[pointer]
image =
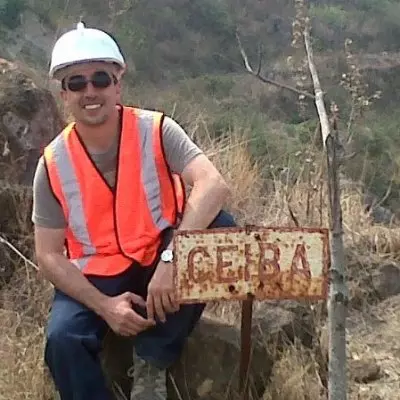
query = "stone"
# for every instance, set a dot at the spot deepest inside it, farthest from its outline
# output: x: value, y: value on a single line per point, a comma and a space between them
x: 205, y: 388
x: 117, y: 361
x: 364, y: 370
x: 209, y: 366
x: 212, y: 359
x: 387, y: 280
x: 370, y: 280
x: 29, y: 119
x: 378, y: 214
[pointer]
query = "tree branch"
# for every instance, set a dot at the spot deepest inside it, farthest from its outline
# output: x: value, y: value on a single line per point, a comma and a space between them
x: 260, y: 59
x: 319, y: 101
x: 16, y: 251
x: 264, y: 79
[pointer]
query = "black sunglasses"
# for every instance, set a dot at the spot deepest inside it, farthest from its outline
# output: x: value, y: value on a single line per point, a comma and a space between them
x: 99, y: 80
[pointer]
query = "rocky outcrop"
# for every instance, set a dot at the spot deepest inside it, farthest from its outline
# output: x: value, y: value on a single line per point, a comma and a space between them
x: 29, y: 119
x: 209, y: 369
x: 371, y: 280
x: 209, y: 366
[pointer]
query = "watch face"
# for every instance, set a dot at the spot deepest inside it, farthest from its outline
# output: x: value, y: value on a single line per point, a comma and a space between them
x: 167, y: 255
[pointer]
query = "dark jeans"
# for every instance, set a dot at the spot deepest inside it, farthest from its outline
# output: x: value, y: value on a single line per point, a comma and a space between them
x: 75, y: 334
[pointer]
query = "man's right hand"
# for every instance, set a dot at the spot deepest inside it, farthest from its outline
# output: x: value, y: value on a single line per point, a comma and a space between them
x: 120, y: 316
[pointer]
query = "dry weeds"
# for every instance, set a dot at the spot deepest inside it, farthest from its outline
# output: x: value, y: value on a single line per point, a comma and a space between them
x: 22, y: 374
x: 24, y: 302
x: 295, y: 376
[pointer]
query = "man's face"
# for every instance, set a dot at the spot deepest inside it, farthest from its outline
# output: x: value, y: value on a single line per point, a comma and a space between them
x: 90, y: 92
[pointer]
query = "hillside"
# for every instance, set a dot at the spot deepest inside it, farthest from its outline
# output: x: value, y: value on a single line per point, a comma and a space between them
x: 173, y: 39
x: 184, y: 58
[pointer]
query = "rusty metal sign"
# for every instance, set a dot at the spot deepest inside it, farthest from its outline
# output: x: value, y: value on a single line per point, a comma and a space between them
x: 259, y: 262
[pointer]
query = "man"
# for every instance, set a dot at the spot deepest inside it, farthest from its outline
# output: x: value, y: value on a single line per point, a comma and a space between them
x: 110, y: 187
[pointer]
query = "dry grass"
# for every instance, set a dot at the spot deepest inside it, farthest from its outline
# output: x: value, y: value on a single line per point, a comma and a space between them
x: 24, y: 304
x: 295, y: 376
x: 22, y: 375
x: 25, y: 300
x: 24, y: 310
x: 242, y: 174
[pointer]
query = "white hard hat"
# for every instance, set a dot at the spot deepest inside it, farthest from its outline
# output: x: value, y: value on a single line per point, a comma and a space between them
x: 84, y: 44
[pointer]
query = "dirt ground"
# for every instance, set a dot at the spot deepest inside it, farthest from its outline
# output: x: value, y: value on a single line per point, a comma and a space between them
x: 374, y: 352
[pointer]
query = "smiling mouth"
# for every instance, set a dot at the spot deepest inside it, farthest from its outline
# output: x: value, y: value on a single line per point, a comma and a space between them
x: 92, y: 106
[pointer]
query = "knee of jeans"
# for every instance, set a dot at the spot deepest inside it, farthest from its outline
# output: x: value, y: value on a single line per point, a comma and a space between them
x: 58, y: 334
x: 223, y: 220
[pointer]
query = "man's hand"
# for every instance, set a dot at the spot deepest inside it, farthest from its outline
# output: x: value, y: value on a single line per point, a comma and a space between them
x: 161, y: 293
x: 122, y: 319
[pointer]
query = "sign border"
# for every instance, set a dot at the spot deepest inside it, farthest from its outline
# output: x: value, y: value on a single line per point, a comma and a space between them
x: 253, y: 229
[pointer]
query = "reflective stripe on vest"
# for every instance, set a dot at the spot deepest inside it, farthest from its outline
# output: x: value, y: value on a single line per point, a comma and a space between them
x: 101, y: 240
x: 74, y: 204
x: 148, y: 127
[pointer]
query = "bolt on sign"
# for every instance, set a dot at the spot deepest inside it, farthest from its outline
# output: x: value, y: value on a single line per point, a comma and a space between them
x: 264, y: 263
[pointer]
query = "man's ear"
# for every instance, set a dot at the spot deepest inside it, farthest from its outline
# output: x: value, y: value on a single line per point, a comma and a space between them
x: 119, y: 72
x: 118, y: 87
x: 63, y: 95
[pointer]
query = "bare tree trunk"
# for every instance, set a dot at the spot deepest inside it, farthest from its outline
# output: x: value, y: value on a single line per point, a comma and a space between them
x: 338, y: 293
x: 338, y: 296
x: 111, y: 16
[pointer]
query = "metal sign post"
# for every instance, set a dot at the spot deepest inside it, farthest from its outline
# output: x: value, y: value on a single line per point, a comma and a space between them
x: 245, y: 347
x: 251, y: 263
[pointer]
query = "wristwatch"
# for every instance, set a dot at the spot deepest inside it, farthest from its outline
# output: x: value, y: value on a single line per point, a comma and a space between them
x: 167, y: 256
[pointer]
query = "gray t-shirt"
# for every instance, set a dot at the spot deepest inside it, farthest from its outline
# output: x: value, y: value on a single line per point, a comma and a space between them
x: 179, y: 151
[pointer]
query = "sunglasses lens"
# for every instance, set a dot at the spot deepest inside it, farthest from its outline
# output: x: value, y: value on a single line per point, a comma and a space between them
x: 77, y: 83
x: 101, y: 79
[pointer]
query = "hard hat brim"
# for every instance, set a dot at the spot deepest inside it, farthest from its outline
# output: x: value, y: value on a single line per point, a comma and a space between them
x: 58, y: 72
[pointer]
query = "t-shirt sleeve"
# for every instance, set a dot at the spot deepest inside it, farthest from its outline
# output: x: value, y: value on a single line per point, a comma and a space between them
x: 179, y: 148
x: 47, y: 211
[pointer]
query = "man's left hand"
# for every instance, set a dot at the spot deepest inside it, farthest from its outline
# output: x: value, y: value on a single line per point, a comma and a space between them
x: 161, y: 293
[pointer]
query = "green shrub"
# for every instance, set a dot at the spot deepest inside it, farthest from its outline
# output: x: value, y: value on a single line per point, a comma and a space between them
x: 335, y: 17
x: 10, y: 11
x: 372, y: 5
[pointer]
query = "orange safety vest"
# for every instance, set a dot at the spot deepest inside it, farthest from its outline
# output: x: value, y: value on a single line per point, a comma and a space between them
x: 109, y: 229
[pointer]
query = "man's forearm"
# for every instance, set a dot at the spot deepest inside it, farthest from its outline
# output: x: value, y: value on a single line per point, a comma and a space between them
x: 66, y: 277
x: 203, y: 204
